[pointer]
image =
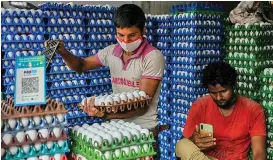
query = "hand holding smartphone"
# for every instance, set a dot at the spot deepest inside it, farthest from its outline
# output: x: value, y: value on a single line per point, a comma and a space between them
x: 206, y: 129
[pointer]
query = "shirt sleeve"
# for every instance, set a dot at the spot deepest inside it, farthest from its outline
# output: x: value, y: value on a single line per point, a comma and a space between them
x: 104, y: 55
x: 193, y: 119
x: 257, y: 122
x: 154, y: 65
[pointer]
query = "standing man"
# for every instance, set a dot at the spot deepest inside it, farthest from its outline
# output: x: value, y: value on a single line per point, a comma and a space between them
x: 238, y: 122
x: 134, y: 65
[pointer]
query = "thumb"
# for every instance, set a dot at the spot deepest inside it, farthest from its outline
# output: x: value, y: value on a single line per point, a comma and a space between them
x: 197, y: 128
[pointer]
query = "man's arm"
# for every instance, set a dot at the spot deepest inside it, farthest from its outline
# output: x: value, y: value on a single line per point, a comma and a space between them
x: 149, y: 86
x: 258, y: 144
x: 79, y: 64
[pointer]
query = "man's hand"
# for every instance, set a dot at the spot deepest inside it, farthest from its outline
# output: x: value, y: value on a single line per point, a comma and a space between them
x: 60, y: 49
x: 90, y: 108
x: 203, y: 141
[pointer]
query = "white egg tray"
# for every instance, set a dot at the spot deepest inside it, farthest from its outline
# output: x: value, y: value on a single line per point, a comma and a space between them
x: 32, y: 137
x: 9, y: 111
x: 122, y: 106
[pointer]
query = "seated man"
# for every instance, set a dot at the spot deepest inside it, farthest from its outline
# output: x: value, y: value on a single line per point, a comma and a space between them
x: 237, y: 121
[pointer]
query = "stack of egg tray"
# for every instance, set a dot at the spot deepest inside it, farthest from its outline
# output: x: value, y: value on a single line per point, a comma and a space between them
x: 22, y: 35
x: 33, y: 131
x: 164, y: 42
x: 84, y: 32
x: 198, y: 6
x: 126, y: 141
x: 151, y: 26
x: 266, y: 97
x: 248, y: 49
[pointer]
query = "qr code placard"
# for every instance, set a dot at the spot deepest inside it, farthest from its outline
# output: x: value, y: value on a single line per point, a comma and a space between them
x: 30, y: 85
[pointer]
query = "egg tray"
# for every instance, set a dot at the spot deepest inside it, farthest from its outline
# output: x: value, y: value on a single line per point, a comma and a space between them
x: 92, y: 154
x: 9, y: 111
x: 115, y: 145
x: 250, y: 28
x: 81, y: 121
x: 33, y: 153
x: 123, y: 106
x: 40, y: 139
x: 20, y: 128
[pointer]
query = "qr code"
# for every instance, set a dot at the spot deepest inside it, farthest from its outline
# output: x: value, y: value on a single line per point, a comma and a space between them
x: 30, y: 85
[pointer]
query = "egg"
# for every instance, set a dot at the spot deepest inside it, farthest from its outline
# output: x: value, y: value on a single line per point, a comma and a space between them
x: 49, y: 144
x: 12, y: 123
x: 61, y: 143
x: 97, y: 141
x: 126, y: 150
x: 121, y: 121
x: 60, y: 117
x: 116, y: 99
x: 112, y: 123
x: 44, y: 133
x: 135, y: 133
x: 135, y: 148
x: 123, y: 97
x: 142, y: 94
x: 13, y: 150
x: 32, y: 158
x: 20, y: 136
x: 107, y: 155
x: 57, y: 132
x: 7, y: 138
x: 44, y: 157
x: 130, y: 96
x: 49, y: 119
x: 57, y: 156
x: 26, y: 148
x: 32, y: 134
x: 108, y: 137
x: 138, y: 127
x: 145, y: 147
x: 102, y: 100
x: 108, y: 100
x: 37, y: 120
x: 117, y: 135
x: 85, y: 126
x: 136, y: 94
x: 117, y: 152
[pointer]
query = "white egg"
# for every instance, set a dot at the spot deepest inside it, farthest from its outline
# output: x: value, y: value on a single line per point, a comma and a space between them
x: 102, y: 100
x: 117, y: 135
x: 12, y: 123
x: 26, y: 148
x: 49, y: 144
x: 44, y: 157
x: 142, y: 94
x: 107, y: 155
x: 7, y: 138
x: 37, y: 146
x: 138, y: 127
x: 127, y: 134
x: 13, y: 150
x: 32, y: 158
x: 60, y: 117
x: 145, y: 132
x: 57, y: 132
x: 112, y: 123
x: 85, y: 126
x: 44, y: 132
x: 57, y: 156
x: 123, y: 97
x: 108, y: 100
x: 117, y: 152
x: 145, y: 147
x: 97, y: 141
x: 116, y: 99
x: 135, y: 148
x: 121, y: 121
x: 32, y: 134
x: 108, y: 137
x: 95, y: 125
x: 135, y: 132
x: 136, y: 94
x: 25, y: 121
x: 37, y: 120
x: 130, y: 96
x: 20, y: 136
x: 61, y: 143
x: 126, y: 150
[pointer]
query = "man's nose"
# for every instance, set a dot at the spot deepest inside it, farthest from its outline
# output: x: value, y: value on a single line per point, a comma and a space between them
x: 219, y: 96
x: 126, y: 39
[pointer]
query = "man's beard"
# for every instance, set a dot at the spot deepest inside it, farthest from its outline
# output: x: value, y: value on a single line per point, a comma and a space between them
x: 229, y: 104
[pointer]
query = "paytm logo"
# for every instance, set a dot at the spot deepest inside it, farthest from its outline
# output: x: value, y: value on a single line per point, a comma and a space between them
x: 30, y: 72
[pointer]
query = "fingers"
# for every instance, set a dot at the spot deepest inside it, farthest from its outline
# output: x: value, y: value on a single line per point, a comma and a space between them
x: 204, y: 146
x: 46, y: 43
x: 205, y: 135
x: 205, y: 140
x: 197, y: 128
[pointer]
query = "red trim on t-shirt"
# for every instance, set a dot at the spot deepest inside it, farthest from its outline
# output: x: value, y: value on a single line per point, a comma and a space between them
x: 152, y: 77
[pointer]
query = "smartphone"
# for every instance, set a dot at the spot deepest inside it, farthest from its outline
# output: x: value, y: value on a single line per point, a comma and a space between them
x: 206, y: 128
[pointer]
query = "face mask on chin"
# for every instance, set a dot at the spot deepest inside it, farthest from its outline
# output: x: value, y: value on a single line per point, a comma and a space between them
x: 130, y: 47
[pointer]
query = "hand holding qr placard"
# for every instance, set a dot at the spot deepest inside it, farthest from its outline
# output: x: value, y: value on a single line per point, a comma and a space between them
x: 51, y: 47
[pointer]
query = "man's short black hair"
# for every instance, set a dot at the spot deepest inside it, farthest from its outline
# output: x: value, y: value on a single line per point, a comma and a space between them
x: 129, y: 15
x: 219, y: 73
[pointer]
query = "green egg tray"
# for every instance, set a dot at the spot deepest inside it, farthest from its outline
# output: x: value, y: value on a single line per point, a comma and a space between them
x: 268, y: 112
x: 91, y: 154
x: 250, y: 27
x: 115, y: 145
x: 267, y: 80
x: 247, y: 49
x: 256, y: 57
x: 267, y: 91
x: 267, y: 75
x: 258, y: 41
x: 266, y: 105
x: 266, y: 96
x: 251, y: 95
x: 248, y: 34
x: 248, y: 79
x: 33, y: 153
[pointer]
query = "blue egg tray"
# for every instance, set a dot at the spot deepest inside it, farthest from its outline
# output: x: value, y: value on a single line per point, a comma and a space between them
x: 22, y: 46
x: 177, y: 108
x: 83, y: 120
x: 20, y: 23
x: 197, y: 6
x: 6, y: 29
x: 100, y: 30
x: 196, y: 16
x: 22, y: 14
x: 68, y: 29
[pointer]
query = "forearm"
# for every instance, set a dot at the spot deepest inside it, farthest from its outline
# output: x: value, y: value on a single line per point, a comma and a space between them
x: 259, y: 156
x: 72, y: 61
x: 128, y: 114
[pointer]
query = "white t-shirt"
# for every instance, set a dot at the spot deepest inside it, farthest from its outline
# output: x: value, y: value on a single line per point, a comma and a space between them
x: 147, y: 62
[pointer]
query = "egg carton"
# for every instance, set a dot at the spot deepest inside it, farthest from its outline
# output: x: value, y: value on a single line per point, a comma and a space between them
x: 9, y: 111
x: 269, y: 120
x: 13, y: 126
x: 268, y: 111
x: 27, y: 139
x: 200, y: 7
x: 106, y: 146
x: 83, y: 120
x: 269, y: 155
x: 22, y: 46
x: 35, y: 150
x: 20, y: 12
x: 125, y: 153
x: 122, y: 106
x: 255, y: 27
